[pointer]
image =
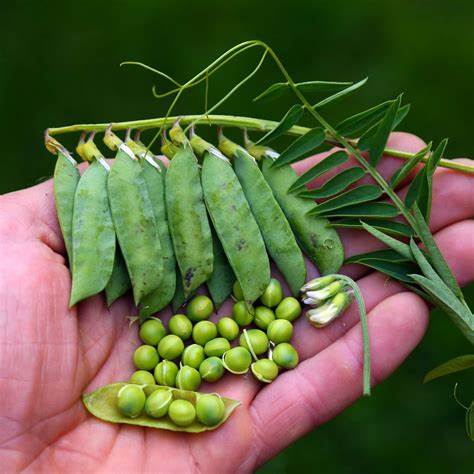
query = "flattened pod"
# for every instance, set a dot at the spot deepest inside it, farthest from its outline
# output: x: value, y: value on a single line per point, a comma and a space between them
x: 275, y: 229
x: 235, y: 225
x: 318, y: 239
x: 155, y: 182
x: 135, y: 224
x: 102, y: 403
x: 222, y: 278
x: 119, y: 282
x: 93, y: 237
x: 66, y: 177
x: 188, y: 221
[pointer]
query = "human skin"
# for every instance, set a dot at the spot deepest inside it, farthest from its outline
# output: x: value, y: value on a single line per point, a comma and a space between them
x: 50, y: 355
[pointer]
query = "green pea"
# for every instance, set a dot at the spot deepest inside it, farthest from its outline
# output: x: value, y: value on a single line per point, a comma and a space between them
x: 210, y: 409
x: 263, y: 317
x: 243, y: 313
x: 158, y: 402
x: 119, y: 282
x: 188, y: 222
x: 152, y: 331
x: 182, y: 412
x: 289, y: 309
x: 135, y: 224
x: 318, y: 239
x: 265, y: 370
x: 199, y: 308
x: 211, y: 369
x: 216, y: 347
x: 145, y: 357
x: 285, y: 356
x: 255, y: 340
x: 188, y: 378
x: 228, y: 328
x: 170, y: 347
x: 203, y: 332
x: 193, y: 356
x: 276, y: 231
x: 237, y: 360
x: 165, y: 373
x: 234, y: 223
x: 93, y: 236
x: 237, y: 291
x: 131, y: 400
x: 142, y: 377
x: 180, y: 326
x: 273, y: 294
x: 280, y: 330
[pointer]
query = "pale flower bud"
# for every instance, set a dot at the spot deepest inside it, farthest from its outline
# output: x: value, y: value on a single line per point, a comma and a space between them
x: 324, y: 293
x: 328, y: 312
x: 317, y: 283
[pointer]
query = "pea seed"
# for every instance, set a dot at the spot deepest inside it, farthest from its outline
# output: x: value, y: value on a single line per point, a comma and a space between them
x: 288, y: 309
x: 273, y: 294
x: 263, y: 317
x: 145, y: 357
x: 280, y: 330
x: 243, y: 313
x: 188, y: 378
x: 158, y: 402
x: 142, y: 377
x: 200, y: 308
x: 130, y: 401
x: 180, y: 326
x: 285, y: 355
x: 228, y: 328
x: 255, y: 340
x: 210, y: 409
x: 216, y: 347
x: 211, y: 369
x: 237, y: 360
x: 182, y: 412
x: 204, y: 331
x: 265, y: 370
x: 165, y: 373
x: 193, y: 356
x: 237, y: 291
x: 170, y: 347
x: 152, y: 331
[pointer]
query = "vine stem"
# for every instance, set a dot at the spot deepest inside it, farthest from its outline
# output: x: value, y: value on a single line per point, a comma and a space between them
x: 249, y: 123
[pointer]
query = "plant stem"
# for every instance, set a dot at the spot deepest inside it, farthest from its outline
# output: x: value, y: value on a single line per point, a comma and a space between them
x: 250, y: 123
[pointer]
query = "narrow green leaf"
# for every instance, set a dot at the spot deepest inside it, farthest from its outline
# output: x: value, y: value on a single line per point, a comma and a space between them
x: 339, y: 95
x: 433, y: 162
x: 406, y: 168
x: 334, y: 185
x: 292, y: 117
x: 400, y: 116
x: 300, y: 148
x: 450, y: 367
x: 400, y: 271
x: 400, y: 247
x: 423, y: 263
x: 389, y: 227
x: 358, y: 122
x: 415, y: 190
x: 386, y: 255
x: 281, y: 88
x: 330, y: 162
x: 380, y: 210
x: 364, y: 193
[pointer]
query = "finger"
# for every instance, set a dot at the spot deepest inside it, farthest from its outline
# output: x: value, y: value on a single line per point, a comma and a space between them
x: 321, y: 387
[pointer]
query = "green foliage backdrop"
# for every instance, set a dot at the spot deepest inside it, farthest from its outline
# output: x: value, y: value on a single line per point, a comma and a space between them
x: 59, y: 65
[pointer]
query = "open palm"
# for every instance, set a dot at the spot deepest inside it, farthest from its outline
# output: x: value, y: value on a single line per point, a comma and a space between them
x: 50, y: 355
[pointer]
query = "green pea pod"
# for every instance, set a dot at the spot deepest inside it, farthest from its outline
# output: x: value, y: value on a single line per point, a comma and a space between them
x: 317, y: 238
x: 155, y: 182
x: 135, y: 224
x: 119, y: 282
x: 276, y: 231
x: 66, y: 178
x: 93, y: 237
x: 222, y: 278
x: 188, y: 222
x: 179, y: 299
x: 235, y: 225
x: 102, y: 403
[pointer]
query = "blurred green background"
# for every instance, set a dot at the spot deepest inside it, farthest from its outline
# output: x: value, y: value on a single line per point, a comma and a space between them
x: 59, y: 64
